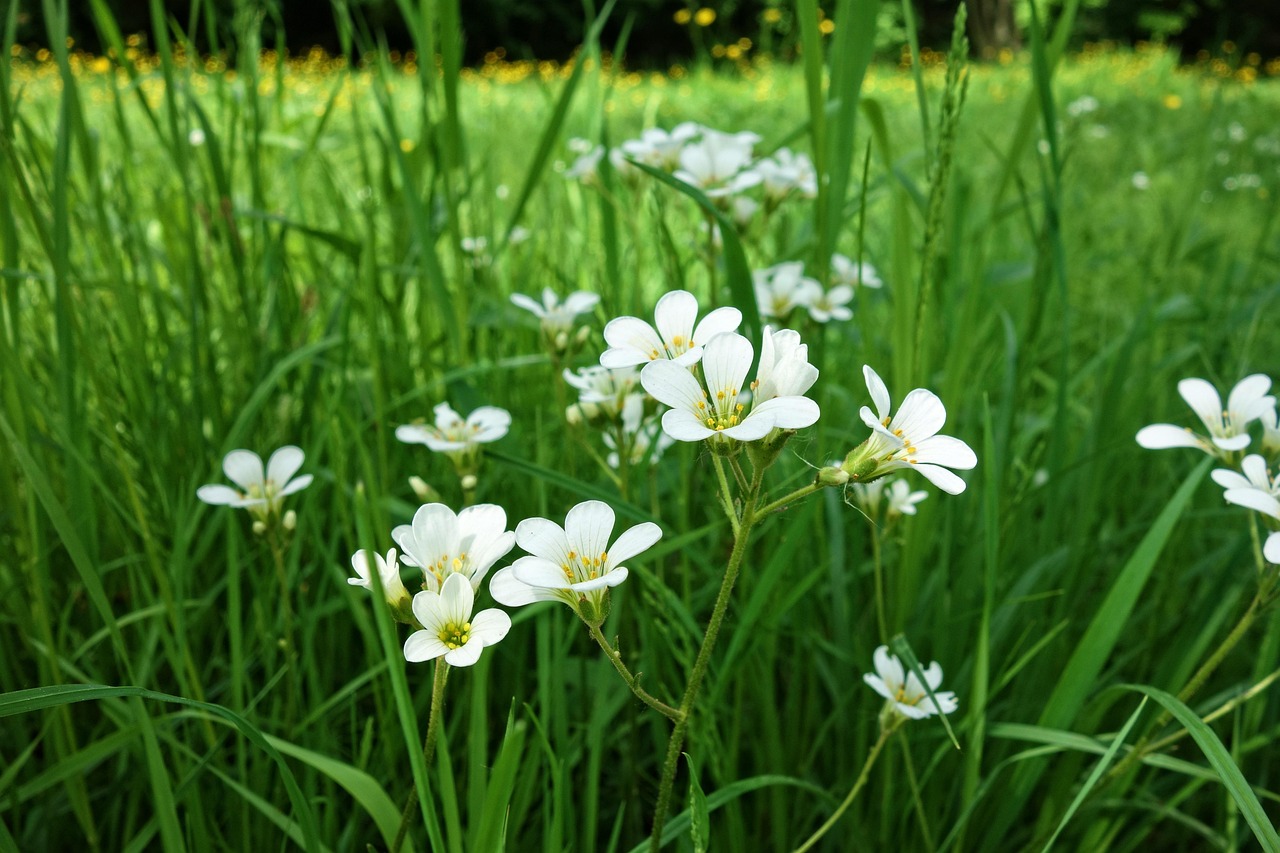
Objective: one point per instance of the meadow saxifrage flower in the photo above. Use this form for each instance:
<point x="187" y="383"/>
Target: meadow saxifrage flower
<point x="852" y="273"/>
<point x="908" y="439"/>
<point x="719" y="411"/>
<point x="574" y="564"/>
<point x="782" y="288"/>
<point x="388" y="569"/>
<point x="261" y="490"/>
<point x="449" y="630"/>
<point x="1228" y="427"/>
<point x="896" y="495"/>
<point x="443" y="543"/>
<point x="557" y="316"/>
<point x="456" y="437"/>
<point x="676" y="338"/>
<point x="905" y="694"/>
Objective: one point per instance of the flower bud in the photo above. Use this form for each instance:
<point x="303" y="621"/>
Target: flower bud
<point x="583" y="333"/>
<point x="290" y="521"/>
<point x="561" y="341"/>
<point x="573" y="415"/>
<point x="832" y="476"/>
<point x="259" y="528"/>
<point x="469" y="482"/>
<point x="425" y="493"/>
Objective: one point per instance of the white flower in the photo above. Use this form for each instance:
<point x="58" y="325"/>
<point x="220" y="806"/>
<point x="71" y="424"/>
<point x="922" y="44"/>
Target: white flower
<point x="786" y="172"/>
<point x="897" y="495"/>
<point x="832" y="304"/>
<point x="574" y="563"/>
<point x="784" y="369"/>
<point x="1262" y="499"/>
<point x="587" y="167"/>
<point x="195" y="137"/>
<point x="388" y="569"/>
<point x="1227" y="428"/>
<point x="716" y="159"/>
<point x="261" y="492"/>
<point x="1255" y="476"/>
<point x="448" y="628"/>
<point x="719" y="410"/>
<point x="658" y="148"/>
<point x="633" y="341"/>
<point x="846" y="272"/>
<point x="1140" y="181"/>
<point x="1082" y="105"/>
<point x="782" y="288"/>
<point x="905" y="691"/>
<point x="452" y="433"/>
<point x="554" y="315"/>
<point x="443" y="544"/>
<point x="1270" y="421"/>
<point x="908" y="439"/>
<point x="743" y="209"/>
<point x="604" y="387"/>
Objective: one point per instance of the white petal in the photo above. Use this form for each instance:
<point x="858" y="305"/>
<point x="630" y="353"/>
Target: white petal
<point x="543" y="538"/>
<point x="244" y="468"/>
<point x="888" y="667"/>
<point x="1247" y="392"/>
<point x="685" y="426"/>
<point x="588" y="527"/>
<point x="672" y="385"/>
<point x="412" y="434"/>
<point x="1271" y="550"/>
<point x="507" y="589"/>
<point x="940" y="477"/>
<point x="1254" y="499"/>
<point x="429" y="610"/>
<point x="945" y="450"/>
<point x="718" y="322"/>
<point x="423" y="646"/>
<point x="529" y="304"/>
<point x="754" y="426"/>
<point x="580" y="302"/>
<point x="537" y="573"/>
<point x="457" y="597"/>
<point x="284" y="463"/>
<point x="1162" y="436"/>
<point x="218" y="495"/>
<point x="1204" y="400"/>
<point x="1255" y="468"/>
<point x="674" y="316"/>
<point x="608" y="579"/>
<point x="435" y="534"/>
<point x="1235" y="442"/>
<point x="1230" y="479"/>
<point x="726" y="362"/>
<point x="297" y="484"/>
<point x="920" y="416"/>
<point x="633" y="541"/>
<point x="631" y="341"/>
<point x="492" y="421"/>
<point x="790" y="412"/>
<point x="878" y="685"/>
<point x="879" y="392"/>
<point x="490" y="626"/>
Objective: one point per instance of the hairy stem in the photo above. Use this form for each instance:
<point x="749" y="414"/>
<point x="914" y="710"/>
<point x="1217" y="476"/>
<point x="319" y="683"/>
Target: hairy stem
<point x="633" y="681"/>
<point x="428" y="750"/>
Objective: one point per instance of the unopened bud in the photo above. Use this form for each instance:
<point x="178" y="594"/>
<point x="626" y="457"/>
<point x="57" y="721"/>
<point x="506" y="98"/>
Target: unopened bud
<point x="425" y="493"/>
<point x="832" y="476"/>
<point x="259" y="528"/>
<point x="290" y="520"/>
<point x="583" y="333"/>
<point x="469" y="482"/>
<point x="562" y="341"/>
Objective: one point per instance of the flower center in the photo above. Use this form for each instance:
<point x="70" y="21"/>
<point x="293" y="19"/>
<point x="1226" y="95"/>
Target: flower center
<point x="724" y="412"/>
<point x="578" y="568"/>
<point x="445" y="566"/>
<point x="455" y="635"/>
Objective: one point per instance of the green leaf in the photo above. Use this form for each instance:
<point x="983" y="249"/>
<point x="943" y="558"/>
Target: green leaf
<point x="1220" y="759"/>
<point x="699" y="820"/>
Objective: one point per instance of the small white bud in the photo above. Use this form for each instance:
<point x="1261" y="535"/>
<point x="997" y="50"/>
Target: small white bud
<point x="259" y="528"/>
<point x="469" y="482"/>
<point x="290" y="520"/>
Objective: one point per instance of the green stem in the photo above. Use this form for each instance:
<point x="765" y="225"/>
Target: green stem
<point x="633" y="681"/>
<point x="676" y="743"/>
<point x="428" y="750"/>
<point x="853" y="794"/>
<point x="726" y="500"/>
<point x="784" y="501"/>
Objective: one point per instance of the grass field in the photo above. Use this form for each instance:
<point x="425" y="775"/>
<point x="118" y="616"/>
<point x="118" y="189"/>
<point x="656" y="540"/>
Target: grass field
<point x="196" y="258"/>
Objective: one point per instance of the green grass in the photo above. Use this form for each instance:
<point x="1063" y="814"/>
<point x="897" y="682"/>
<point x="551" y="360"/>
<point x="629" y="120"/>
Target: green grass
<point x="297" y="279"/>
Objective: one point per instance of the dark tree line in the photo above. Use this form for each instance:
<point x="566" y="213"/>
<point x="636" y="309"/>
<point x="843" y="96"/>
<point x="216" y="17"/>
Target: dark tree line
<point x="552" y="29"/>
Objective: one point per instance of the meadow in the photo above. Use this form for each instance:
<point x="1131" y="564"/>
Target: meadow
<point x="200" y="254"/>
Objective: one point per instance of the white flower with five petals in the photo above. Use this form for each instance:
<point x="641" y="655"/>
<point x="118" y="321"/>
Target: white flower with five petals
<point x="1228" y="427"/>
<point x="557" y="316"/>
<point x="633" y="341"/>
<point x="573" y="564"/>
<point x="782" y="288"/>
<point x="454" y="434"/>
<point x="904" y="690"/>
<point x="719" y="410"/>
<point x="908" y="439"/>
<point x="449" y="630"/>
<point x="1258" y="490"/>
<point x="443" y="544"/>
<point x="261" y="490"/>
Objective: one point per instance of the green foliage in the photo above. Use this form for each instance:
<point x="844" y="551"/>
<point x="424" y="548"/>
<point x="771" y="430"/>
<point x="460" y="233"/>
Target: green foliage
<point x="194" y="261"/>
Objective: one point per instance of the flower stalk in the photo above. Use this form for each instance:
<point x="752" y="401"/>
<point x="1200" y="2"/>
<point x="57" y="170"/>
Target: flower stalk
<point x="428" y="750"/>
<point x="885" y="732"/>
<point x="632" y="680"/>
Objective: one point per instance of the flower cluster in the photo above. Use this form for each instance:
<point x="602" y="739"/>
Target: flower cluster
<point x="783" y="289"/>
<point x="1249" y="483"/>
